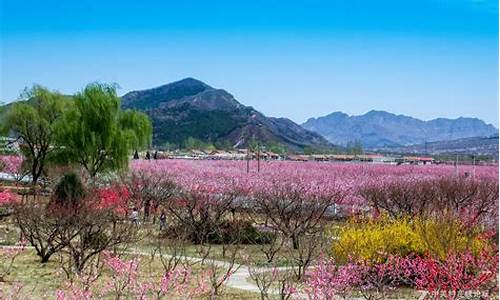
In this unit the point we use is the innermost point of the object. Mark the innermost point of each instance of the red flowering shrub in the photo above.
(115, 197)
(458, 275)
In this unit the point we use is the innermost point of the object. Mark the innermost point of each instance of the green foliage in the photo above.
(224, 145)
(34, 122)
(169, 146)
(253, 144)
(227, 232)
(210, 147)
(241, 231)
(310, 150)
(192, 143)
(354, 147)
(97, 134)
(184, 121)
(140, 125)
(277, 148)
(95, 240)
(69, 190)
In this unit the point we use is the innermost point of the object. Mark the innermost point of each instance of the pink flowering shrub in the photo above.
(124, 275)
(11, 163)
(74, 292)
(327, 280)
(178, 281)
(371, 280)
(7, 198)
(126, 282)
(459, 275)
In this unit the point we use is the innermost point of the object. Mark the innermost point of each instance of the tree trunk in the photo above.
(147, 205)
(45, 258)
(258, 160)
(295, 241)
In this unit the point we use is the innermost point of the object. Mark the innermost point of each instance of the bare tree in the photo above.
(272, 248)
(90, 230)
(311, 246)
(218, 273)
(200, 214)
(172, 251)
(40, 228)
(149, 191)
(426, 197)
(269, 280)
(285, 285)
(292, 211)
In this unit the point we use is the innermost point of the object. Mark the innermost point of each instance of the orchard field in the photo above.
(187, 229)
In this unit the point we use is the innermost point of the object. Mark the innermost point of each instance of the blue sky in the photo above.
(298, 59)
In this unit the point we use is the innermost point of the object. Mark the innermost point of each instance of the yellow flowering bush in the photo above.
(374, 240)
(440, 236)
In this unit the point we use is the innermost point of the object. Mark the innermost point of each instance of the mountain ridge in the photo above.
(483, 146)
(378, 128)
(191, 108)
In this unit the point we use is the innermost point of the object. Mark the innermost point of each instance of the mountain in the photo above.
(191, 108)
(484, 146)
(377, 129)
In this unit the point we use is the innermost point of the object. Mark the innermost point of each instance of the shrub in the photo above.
(69, 190)
(458, 276)
(7, 199)
(441, 236)
(241, 231)
(464, 275)
(376, 239)
(95, 241)
(226, 233)
(4, 211)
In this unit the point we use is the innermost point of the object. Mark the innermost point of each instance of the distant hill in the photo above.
(483, 146)
(377, 129)
(191, 108)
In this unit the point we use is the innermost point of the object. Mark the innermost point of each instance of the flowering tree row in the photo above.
(317, 179)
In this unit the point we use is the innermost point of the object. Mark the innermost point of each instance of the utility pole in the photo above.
(473, 166)
(258, 157)
(456, 165)
(248, 160)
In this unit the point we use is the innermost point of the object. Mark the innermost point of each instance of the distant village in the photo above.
(245, 154)
(8, 145)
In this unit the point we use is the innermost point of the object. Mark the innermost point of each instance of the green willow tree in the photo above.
(34, 123)
(97, 134)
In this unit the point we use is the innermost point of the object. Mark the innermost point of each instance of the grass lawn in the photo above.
(40, 281)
